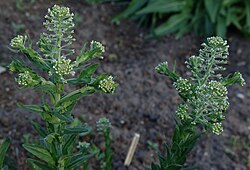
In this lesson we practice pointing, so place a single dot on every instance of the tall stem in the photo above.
(184, 139)
(108, 151)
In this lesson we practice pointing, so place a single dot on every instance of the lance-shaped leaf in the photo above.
(32, 108)
(82, 130)
(63, 118)
(40, 153)
(77, 94)
(68, 144)
(34, 57)
(86, 56)
(134, 5)
(40, 130)
(38, 165)
(85, 76)
(3, 149)
(77, 159)
(43, 111)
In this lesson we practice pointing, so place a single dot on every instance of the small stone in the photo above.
(122, 122)
(242, 63)
(240, 96)
(5, 121)
(239, 51)
(7, 89)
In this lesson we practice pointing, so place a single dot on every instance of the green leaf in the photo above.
(247, 11)
(34, 57)
(63, 118)
(77, 94)
(133, 6)
(40, 130)
(40, 153)
(221, 27)
(173, 24)
(38, 165)
(77, 159)
(3, 149)
(82, 130)
(32, 108)
(212, 7)
(162, 6)
(69, 142)
(85, 76)
(87, 73)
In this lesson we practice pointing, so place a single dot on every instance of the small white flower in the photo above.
(108, 85)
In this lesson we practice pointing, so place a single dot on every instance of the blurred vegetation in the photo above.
(204, 17)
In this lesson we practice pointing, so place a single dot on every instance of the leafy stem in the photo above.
(205, 100)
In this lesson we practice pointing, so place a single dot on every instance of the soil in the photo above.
(144, 102)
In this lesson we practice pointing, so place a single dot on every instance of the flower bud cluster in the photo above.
(103, 124)
(183, 86)
(161, 67)
(213, 96)
(108, 85)
(216, 41)
(84, 146)
(63, 66)
(26, 79)
(59, 18)
(95, 45)
(18, 42)
(240, 78)
(217, 128)
(182, 112)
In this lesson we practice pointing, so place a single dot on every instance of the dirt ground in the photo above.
(144, 102)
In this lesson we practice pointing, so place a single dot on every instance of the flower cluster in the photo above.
(240, 79)
(18, 42)
(216, 41)
(63, 66)
(59, 18)
(160, 68)
(183, 86)
(108, 85)
(103, 124)
(217, 128)
(26, 79)
(98, 47)
(182, 112)
(84, 146)
(205, 94)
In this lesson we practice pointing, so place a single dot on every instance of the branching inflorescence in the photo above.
(204, 97)
(57, 150)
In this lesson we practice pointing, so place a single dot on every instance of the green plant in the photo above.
(205, 17)
(4, 145)
(204, 100)
(103, 126)
(20, 4)
(57, 148)
(17, 28)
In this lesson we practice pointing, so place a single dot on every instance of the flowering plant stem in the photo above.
(103, 126)
(108, 151)
(57, 148)
(204, 100)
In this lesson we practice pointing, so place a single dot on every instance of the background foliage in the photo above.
(204, 17)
